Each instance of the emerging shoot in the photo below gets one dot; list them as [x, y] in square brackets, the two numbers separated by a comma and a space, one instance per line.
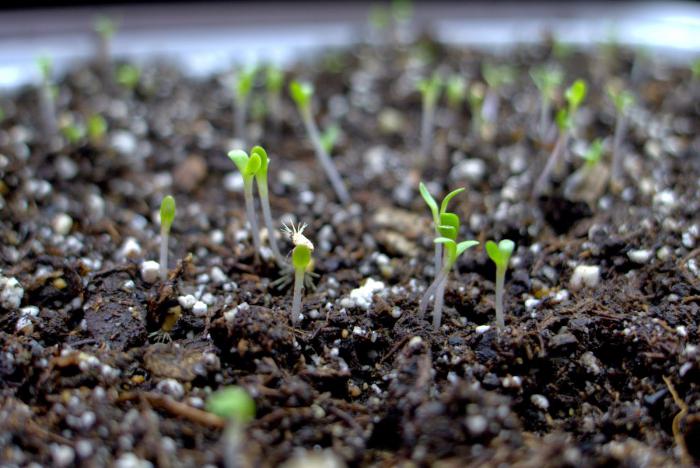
[242, 88]
[263, 192]
[456, 92]
[96, 128]
[476, 103]
[274, 80]
[496, 76]
[47, 97]
[105, 28]
[565, 121]
[167, 216]
[235, 405]
[249, 167]
[588, 182]
[302, 93]
[623, 100]
[547, 79]
[430, 89]
[329, 137]
[301, 260]
[500, 255]
[128, 76]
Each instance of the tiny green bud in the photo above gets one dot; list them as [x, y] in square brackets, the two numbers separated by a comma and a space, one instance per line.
[73, 133]
[274, 79]
[167, 212]
[329, 137]
[96, 127]
[301, 93]
[575, 94]
[128, 75]
[232, 403]
[622, 98]
[430, 89]
[105, 26]
[497, 75]
[45, 65]
[455, 90]
[500, 253]
[547, 79]
[301, 254]
[594, 153]
[245, 81]
[430, 201]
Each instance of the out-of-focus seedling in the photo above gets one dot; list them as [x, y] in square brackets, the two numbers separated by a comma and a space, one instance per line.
[329, 137]
[249, 167]
[242, 89]
[547, 79]
[575, 95]
[235, 405]
[301, 260]
[695, 69]
[96, 128]
[128, 76]
[623, 100]
[475, 97]
[301, 93]
[430, 89]
[73, 132]
[588, 182]
[496, 76]
[455, 92]
[105, 28]
[263, 192]
[167, 216]
[274, 81]
[500, 255]
[47, 97]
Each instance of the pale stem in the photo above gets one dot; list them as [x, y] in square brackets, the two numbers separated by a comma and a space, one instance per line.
[296, 302]
[323, 157]
[618, 156]
[426, 133]
[267, 217]
[423, 306]
[274, 106]
[489, 109]
[500, 278]
[164, 237]
[438, 258]
[239, 119]
[551, 162]
[544, 118]
[439, 301]
[104, 47]
[48, 110]
[232, 441]
[250, 212]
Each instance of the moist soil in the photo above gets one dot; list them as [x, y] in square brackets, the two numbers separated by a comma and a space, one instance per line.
[605, 373]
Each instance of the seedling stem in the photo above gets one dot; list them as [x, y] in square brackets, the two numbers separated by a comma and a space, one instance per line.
[167, 215]
[500, 255]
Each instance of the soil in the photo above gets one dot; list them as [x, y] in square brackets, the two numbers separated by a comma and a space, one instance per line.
[602, 374]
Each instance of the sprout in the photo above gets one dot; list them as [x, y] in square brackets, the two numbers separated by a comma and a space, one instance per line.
[430, 89]
[301, 260]
[249, 167]
[232, 403]
[167, 216]
[623, 100]
[587, 183]
[476, 103]
[437, 213]
[329, 137]
[242, 88]
[301, 93]
[496, 76]
[47, 97]
[96, 128]
[574, 95]
[261, 181]
[456, 91]
[547, 79]
[594, 153]
[105, 28]
[274, 80]
[128, 76]
[73, 133]
[500, 255]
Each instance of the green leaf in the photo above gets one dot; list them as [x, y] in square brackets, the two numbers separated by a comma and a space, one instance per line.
[329, 138]
[563, 119]
[105, 26]
[253, 165]
[167, 212]
[301, 257]
[240, 158]
[575, 94]
[274, 79]
[430, 201]
[465, 245]
[594, 152]
[73, 133]
[500, 253]
[264, 160]
[301, 93]
[232, 403]
[449, 225]
[448, 197]
[96, 127]
[245, 81]
[128, 75]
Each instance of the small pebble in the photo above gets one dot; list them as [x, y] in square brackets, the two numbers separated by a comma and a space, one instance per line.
[199, 309]
[150, 271]
[171, 387]
[129, 249]
[640, 256]
[481, 329]
[584, 276]
[187, 301]
[540, 401]
[62, 224]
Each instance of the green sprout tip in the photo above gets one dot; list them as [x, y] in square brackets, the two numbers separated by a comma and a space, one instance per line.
[500, 255]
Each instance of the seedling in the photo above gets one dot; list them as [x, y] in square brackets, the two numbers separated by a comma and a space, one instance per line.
[105, 28]
[453, 250]
[301, 260]
[47, 97]
[695, 69]
[588, 182]
[329, 137]
[437, 213]
[500, 255]
[456, 92]
[301, 93]
[263, 192]
[128, 76]
[496, 76]
[623, 100]
[242, 89]
[249, 166]
[430, 89]
[73, 132]
[96, 128]
[574, 95]
[476, 103]
[547, 79]
[167, 216]
[274, 80]
[235, 405]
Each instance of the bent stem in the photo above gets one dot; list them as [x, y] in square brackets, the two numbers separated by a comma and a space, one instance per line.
[296, 301]
[164, 237]
[620, 129]
[423, 306]
[324, 158]
[551, 163]
[250, 212]
[267, 217]
[500, 279]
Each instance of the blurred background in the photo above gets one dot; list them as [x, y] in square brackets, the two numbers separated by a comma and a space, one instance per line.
[211, 36]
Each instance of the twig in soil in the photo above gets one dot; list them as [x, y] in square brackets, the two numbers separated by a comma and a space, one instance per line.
[177, 409]
[686, 459]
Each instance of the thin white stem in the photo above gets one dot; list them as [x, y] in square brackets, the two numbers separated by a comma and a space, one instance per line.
[296, 301]
[439, 301]
[164, 237]
[544, 118]
[438, 258]
[489, 109]
[47, 106]
[426, 133]
[250, 212]
[267, 217]
[232, 441]
[618, 156]
[551, 163]
[500, 278]
[323, 157]
[423, 306]
[239, 119]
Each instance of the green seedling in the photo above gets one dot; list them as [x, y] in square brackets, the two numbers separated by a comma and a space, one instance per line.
[235, 405]
[263, 192]
[301, 93]
[47, 97]
[588, 182]
[128, 76]
[430, 89]
[105, 28]
[500, 255]
[329, 137]
[695, 69]
[574, 95]
[96, 128]
[437, 214]
[623, 100]
[274, 81]
[73, 133]
[249, 167]
[456, 92]
[475, 96]
[301, 261]
[547, 79]
[167, 216]
[453, 251]
[594, 153]
[379, 18]
[242, 89]
[496, 76]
